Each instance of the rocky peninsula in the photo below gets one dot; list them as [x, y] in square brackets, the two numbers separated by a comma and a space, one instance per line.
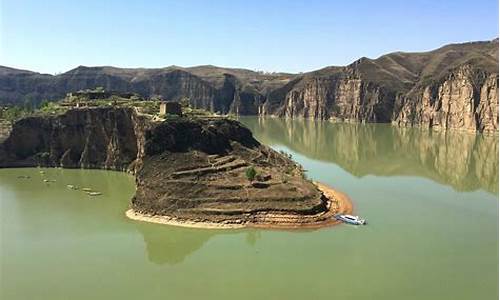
[191, 171]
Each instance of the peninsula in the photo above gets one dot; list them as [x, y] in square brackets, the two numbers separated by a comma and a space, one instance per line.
[191, 168]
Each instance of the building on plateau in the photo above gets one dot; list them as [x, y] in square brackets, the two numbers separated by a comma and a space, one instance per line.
[170, 107]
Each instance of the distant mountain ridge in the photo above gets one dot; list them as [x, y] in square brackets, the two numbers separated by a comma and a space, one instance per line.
[455, 86]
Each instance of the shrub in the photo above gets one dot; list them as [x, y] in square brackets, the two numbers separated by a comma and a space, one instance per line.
[250, 173]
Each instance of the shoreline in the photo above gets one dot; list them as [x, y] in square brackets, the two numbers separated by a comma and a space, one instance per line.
[338, 202]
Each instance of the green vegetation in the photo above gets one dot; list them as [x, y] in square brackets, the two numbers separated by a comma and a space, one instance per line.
[13, 113]
[98, 97]
[50, 108]
[196, 112]
[149, 107]
[250, 173]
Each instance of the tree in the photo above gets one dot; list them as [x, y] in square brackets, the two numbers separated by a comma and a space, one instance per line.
[45, 103]
[250, 173]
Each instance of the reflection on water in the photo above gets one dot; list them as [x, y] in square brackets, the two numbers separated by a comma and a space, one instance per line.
[173, 247]
[462, 160]
[252, 237]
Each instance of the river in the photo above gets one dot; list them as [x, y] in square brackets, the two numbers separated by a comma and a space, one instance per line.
[430, 198]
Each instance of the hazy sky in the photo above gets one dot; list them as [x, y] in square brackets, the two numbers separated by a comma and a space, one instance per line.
[54, 36]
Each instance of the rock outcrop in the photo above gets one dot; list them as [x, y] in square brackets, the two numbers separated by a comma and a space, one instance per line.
[85, 138]
[192, 169]
[465, 99]
[339, 99]
[453, 87]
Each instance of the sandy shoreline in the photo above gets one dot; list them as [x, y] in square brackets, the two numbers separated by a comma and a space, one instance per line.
[338, 202]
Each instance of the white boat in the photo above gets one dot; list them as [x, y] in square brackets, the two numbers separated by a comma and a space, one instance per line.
[94, 193]
[355, 220]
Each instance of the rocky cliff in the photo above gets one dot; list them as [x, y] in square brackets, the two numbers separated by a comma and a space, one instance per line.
[453, 87]
[190, 169]
[347, 99]
[464, 99]
[91, 138]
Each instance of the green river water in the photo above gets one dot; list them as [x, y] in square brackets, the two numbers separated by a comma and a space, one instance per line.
[430, 199]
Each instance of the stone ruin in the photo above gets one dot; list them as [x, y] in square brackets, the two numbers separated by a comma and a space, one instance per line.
[170, 107]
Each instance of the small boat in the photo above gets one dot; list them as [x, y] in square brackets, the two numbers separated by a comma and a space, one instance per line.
[94, 193]
[72, 187]
[49, 180]
[87, 189]
[23, 177]
[355, 220]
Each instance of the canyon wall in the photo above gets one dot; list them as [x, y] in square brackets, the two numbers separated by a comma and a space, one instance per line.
[463, 100]
[345, 99]
[453, 87]
[102, 138]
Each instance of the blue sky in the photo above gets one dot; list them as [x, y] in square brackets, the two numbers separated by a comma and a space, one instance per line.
[54, 36]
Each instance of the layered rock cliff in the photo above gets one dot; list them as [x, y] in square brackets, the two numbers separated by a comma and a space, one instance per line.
[348, 99]
[93, 138]
[453, 87]
[464, 99]
[191, 169]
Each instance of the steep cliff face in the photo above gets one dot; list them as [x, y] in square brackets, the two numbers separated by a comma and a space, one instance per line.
[465, 99]
[93, 138]
[338, 99]
[487, 109]
[238, 98]
[312, 99]
[453, 87]
[179, 84]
